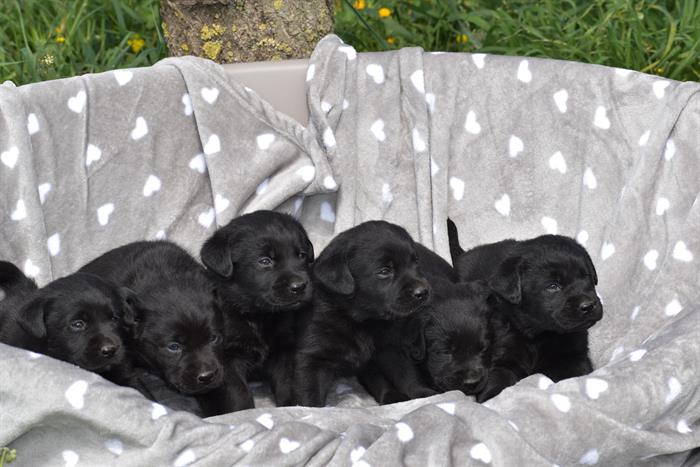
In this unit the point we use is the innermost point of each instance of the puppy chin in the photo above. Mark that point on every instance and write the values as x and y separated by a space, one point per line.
576 324
275 304
193 390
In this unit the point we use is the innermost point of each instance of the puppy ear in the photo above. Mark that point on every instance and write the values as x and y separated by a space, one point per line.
132 306
310 256
413 342
32 317
452 234
506 282
216 255
332 271
589 265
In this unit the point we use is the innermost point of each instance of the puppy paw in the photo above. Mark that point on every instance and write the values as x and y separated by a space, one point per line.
392 397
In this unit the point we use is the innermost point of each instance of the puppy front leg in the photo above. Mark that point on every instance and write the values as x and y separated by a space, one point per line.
312 382
279 369
233 395
498 380
578 365
372 379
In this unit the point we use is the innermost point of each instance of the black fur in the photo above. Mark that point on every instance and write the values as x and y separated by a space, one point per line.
365 278
179 329
80 319
548 302
262 263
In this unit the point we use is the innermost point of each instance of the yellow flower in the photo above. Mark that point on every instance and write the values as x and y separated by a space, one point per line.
462 39
136 43
384 12
60 40
391 40
360 4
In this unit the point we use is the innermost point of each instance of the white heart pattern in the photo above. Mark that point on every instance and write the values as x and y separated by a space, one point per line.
644 139
247 446
550 225
479 60
123 76
262 187
515 146
457 186
387 195
54 244
328 138
471 125
377 129
650 259
92 154
198 163
310 72
357 453
9 157
20 212
662 205
561 402
590 457
212 146
376 72
637 355
607 250
430 100
669 150
418 143
349 51
673 308
481 453
206 218
140 130
502 205
683 428
560 98
186 457
329 183
30 269
326 106
417 80
524 74
187 102
681 252
43 190
674 389
287 445
75 394
103 213
32 124
582 237
307 173
448 407
265 140
601 118
404 432
635 312
210 94
157 411
266 420
659 88
77 102
327 213
153 184
595 386
114 446
220 203
544 383
589 179
70 458
434 167
557 162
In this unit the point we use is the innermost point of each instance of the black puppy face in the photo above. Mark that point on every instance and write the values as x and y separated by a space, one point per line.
453 342
81 319
375 267
180 335
267 255
552 279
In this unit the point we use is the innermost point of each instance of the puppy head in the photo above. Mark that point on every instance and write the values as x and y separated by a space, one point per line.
81 319
453 338
180 336
374 268
267 256
551 281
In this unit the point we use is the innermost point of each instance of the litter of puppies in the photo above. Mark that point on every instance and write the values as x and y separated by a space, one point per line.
374 304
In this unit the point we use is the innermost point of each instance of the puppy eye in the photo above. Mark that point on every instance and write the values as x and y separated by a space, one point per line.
115 319
553 287
384 272
174 347
415 259
265 261
215 339
78 324
302 255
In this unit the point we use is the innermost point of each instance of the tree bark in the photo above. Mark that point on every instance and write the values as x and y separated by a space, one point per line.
228 31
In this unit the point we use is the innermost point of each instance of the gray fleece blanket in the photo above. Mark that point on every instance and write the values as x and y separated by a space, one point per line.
507 147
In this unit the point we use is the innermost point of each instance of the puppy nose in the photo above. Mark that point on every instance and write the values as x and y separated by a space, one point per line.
108 350
586 306
206 376
474 376
297 286
421 292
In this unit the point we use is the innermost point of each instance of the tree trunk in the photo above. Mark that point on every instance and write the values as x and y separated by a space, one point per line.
229 31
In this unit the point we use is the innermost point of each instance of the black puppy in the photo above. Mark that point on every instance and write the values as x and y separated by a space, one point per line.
548 302
262 263
179 330
365 278
443 347
80 319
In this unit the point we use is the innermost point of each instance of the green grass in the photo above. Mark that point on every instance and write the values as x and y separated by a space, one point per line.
653 36
46 39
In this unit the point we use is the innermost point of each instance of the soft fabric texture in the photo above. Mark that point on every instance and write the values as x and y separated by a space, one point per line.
507 147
